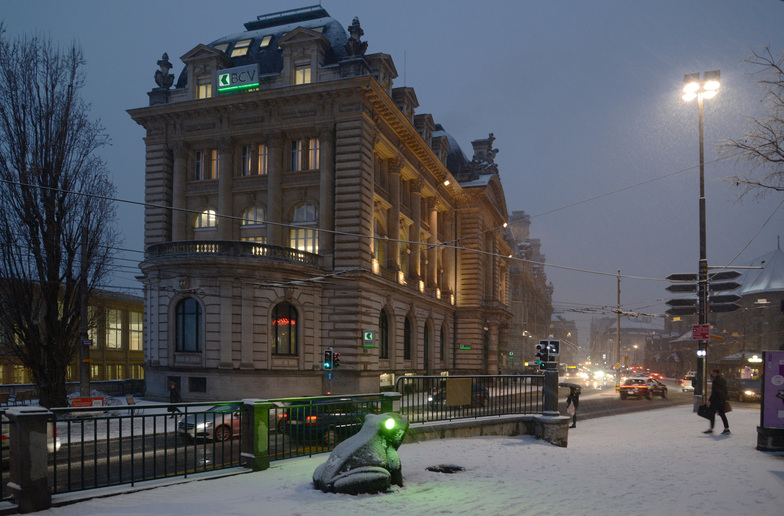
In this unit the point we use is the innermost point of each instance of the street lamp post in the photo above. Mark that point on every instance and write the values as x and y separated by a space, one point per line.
702 88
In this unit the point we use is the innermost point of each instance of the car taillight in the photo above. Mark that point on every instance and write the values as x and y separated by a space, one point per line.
310 420
5 436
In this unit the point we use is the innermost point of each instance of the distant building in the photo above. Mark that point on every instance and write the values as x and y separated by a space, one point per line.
296 203
117 350
634 341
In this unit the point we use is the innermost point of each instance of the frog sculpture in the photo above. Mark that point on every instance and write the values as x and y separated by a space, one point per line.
366 462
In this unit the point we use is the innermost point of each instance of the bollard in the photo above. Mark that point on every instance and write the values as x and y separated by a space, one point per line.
28 458
550 390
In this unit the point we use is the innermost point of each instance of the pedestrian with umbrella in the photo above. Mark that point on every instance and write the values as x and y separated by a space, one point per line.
572 401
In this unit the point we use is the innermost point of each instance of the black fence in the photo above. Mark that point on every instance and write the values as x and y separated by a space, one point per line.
444 398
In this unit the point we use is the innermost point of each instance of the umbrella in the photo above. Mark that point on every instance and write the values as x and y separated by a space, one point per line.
570 385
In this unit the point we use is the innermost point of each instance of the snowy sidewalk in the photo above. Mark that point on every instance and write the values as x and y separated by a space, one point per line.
653 462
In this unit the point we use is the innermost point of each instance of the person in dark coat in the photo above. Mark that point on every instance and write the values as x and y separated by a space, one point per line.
174 397
574 399
716 401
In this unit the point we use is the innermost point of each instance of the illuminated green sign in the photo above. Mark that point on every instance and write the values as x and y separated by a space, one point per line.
237 79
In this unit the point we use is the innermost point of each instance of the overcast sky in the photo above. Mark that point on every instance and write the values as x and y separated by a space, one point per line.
583 98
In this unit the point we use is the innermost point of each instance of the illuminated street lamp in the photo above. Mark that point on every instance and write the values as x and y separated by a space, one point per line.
702 88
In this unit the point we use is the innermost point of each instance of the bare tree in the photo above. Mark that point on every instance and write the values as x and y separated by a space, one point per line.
53 190
763 145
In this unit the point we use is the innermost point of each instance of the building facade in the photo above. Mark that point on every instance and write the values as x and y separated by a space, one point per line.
297 203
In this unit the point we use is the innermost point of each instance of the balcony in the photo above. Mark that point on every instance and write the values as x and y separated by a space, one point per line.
232 248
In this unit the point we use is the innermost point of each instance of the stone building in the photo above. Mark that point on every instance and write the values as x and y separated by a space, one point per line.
296 202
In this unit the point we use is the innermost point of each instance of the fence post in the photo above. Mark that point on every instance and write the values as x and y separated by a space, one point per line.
389 400
255 438
28 458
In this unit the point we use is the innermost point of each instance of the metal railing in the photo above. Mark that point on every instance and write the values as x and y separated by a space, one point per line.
444 398
233 248
109 446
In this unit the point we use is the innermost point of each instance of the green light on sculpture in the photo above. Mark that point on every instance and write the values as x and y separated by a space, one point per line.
389 424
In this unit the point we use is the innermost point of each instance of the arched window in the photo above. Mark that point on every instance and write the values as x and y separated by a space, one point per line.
442 343
407 339
188 325
383 335
284 329
303 234
206 219
253 228
379 243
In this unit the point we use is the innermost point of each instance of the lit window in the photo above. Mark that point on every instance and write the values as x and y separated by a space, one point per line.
253 216
265 41
284 329
135 331
222 47
318 29
205 88
247 160
206 165
241 48
207 219
302 74
113 329
303 235
383 335
263 159
305 154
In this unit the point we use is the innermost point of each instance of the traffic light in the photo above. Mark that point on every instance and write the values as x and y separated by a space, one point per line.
328 360
335 360
542 354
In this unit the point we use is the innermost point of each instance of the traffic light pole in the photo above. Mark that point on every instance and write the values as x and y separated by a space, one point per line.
550 402
702 285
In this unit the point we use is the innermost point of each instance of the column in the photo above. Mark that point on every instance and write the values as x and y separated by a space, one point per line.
449 253
492 349
179 217
432 252
225 222
416 214
274 175
247 339
326 223
394 214
226 341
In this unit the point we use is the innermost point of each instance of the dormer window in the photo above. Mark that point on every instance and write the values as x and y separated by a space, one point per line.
265 41
241 48
302 74
222 47
205 88
318 29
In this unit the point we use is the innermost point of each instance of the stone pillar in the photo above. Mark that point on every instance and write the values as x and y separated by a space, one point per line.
28 458
246 352
225 212
492 349
394 214
326 223
432 252
179 217
449 254
274 175
416 214
255 434
226 341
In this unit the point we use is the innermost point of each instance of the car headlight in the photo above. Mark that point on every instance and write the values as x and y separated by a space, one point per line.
429 398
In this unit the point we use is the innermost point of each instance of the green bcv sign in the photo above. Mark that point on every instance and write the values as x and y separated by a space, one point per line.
239 78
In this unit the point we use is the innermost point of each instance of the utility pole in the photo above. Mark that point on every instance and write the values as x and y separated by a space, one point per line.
618 335
84 343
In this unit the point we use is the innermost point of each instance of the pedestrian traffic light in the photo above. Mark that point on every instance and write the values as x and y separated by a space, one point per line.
335 360
542 354
328 359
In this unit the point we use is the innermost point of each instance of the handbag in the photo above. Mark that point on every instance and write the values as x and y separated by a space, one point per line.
704 411
570 410
727 407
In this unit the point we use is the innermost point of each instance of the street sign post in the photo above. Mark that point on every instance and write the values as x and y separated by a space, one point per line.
700 332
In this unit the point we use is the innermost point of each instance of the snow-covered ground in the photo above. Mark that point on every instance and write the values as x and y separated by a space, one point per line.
646 463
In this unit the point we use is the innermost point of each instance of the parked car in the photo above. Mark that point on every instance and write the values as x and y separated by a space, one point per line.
744 389
480 396
328 421
638 387
219 423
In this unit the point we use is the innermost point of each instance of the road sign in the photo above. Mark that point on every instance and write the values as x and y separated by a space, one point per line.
682 287
727 285
700 332
369 338
330 375
684 301
723 275
724 298
682 310
724 307
682 277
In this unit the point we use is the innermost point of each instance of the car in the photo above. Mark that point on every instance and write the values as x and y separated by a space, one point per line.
328 421
687 381
480 396
218 423
641 387
744 389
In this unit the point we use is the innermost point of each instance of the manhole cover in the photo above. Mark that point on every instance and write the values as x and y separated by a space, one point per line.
445 468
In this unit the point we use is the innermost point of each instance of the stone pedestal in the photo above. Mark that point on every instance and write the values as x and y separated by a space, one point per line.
770 439
553 429
28 458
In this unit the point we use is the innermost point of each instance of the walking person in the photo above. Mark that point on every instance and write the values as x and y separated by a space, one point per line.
717 400
174 398
573 399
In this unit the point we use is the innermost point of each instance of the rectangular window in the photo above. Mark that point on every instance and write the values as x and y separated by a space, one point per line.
303 239
247 161
113 329
135 331
305 154
95 372
302 74
206 165
241 48
19 374
313 154
92 329
137 372
265 41
205 88
296 155
263 159
197 384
